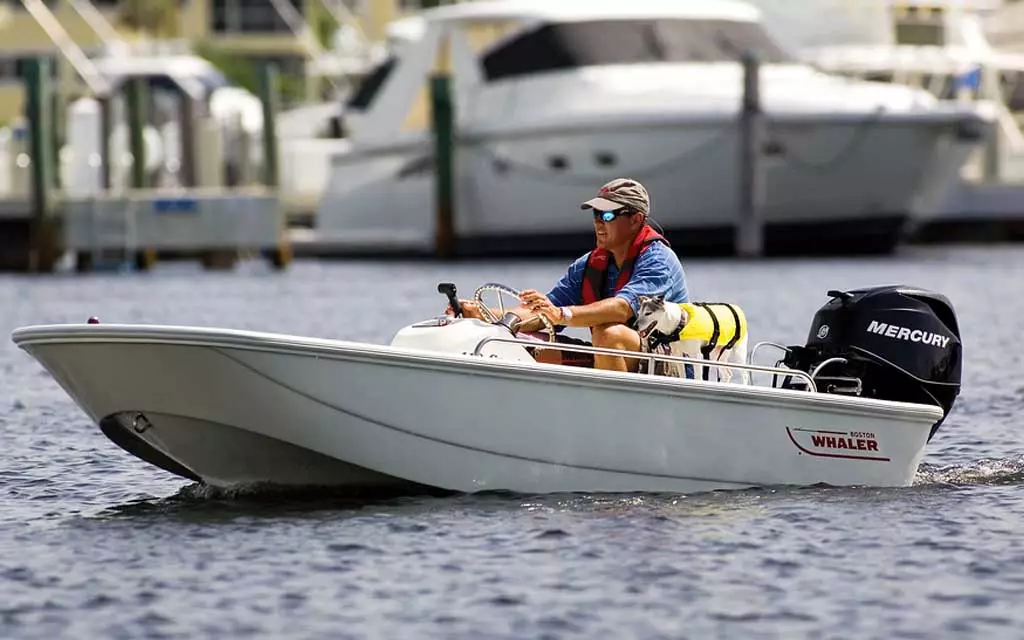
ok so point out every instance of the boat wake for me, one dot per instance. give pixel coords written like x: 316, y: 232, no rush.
x: 198, y: 500
x: 987, y: 471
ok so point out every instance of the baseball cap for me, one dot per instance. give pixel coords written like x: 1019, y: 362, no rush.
x: 619, y: 193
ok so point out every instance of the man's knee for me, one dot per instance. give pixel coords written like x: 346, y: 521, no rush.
x: 616, y: 336
x: 548, y: 356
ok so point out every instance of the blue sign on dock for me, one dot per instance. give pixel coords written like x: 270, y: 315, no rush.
x: 175, y: 205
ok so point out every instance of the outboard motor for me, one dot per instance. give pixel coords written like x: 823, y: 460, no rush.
x: 896, y: 343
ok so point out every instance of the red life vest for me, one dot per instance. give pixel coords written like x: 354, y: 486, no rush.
x: 596, y: 274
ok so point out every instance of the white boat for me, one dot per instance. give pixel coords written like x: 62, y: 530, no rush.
x: 954, y: 50
x: 460, y: 405
x: 554, y: 98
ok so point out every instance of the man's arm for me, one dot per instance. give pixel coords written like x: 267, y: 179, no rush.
x: 567, y: 291
x: 654, y: 273
x: 608, y: 311
x: 568, y: 294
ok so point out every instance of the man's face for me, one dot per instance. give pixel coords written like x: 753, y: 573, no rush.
x: 617, y: 232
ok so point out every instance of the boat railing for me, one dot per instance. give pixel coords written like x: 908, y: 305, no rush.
x: 651, y: 358
x: 765, y: 343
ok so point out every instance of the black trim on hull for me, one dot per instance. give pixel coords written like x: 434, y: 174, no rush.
x: 875, y: 236
x: 970, y: 230
x: 849, y: 237
x: 121, y: 435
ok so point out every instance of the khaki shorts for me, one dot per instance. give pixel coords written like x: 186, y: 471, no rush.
x: 571, y: 358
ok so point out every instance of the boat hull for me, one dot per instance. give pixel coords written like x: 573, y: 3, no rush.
x: 832, y: 185
x: 231, y: 408
x: 223, y: 455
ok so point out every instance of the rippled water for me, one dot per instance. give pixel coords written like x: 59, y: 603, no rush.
x: 96, y: 544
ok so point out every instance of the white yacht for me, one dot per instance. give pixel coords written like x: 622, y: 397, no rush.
x: 554, y: 98
x: 959, y: 51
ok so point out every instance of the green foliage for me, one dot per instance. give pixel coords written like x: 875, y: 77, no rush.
x: 324, y: 29
x: 244, y: 71
x: 238, y: 69
x: 158, y: 18
x: 293, y: 90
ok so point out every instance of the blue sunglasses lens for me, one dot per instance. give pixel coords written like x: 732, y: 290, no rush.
x: 607, y: 216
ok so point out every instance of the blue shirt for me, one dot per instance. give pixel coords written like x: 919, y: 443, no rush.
x: 657, y: 270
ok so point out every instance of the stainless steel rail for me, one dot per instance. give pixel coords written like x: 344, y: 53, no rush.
x: 650, y: 357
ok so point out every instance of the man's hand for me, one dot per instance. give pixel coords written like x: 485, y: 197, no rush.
x: 470, y: 309
x: 538, y: 303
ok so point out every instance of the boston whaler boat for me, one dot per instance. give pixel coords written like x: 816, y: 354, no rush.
x: 460, y: 404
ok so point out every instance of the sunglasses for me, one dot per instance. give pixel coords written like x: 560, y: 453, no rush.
x: 608, y: 216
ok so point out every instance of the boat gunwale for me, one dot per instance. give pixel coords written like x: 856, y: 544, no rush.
x: 387, y: 355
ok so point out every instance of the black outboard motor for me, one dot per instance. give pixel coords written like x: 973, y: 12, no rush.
x: 902, y: 343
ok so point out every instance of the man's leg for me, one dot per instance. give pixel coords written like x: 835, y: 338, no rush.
x: 616, y: 336
x: 568, y: 358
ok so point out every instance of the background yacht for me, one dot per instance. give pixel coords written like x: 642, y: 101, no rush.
x: 553, y: 99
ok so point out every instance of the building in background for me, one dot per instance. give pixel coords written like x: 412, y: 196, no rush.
x: 299, y: 35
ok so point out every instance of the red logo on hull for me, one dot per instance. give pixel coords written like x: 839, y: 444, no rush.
x: 851, y: 445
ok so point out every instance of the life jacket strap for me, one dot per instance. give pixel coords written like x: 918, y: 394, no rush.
x: 737, y: 334
x: 705, y: 350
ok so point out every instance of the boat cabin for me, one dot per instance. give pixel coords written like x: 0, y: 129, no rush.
x: 498, y: 44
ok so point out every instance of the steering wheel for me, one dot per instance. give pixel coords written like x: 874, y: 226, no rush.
x: 478, y: 297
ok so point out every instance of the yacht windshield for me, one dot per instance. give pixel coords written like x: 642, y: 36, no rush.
x: 212, y: 79
x: 371, y: 84
x: 551, y: 47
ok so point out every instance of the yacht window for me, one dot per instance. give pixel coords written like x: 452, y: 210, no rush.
x: 1013, y: 89
x: 878, y: 76
x: 940, y: 85
x: 604, y: 158
x: 156, y: 82
x: 578, y: 44
x: 363, y: 96
x: 212, y: 79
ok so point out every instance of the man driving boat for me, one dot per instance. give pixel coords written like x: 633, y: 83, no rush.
x: 601, y: 289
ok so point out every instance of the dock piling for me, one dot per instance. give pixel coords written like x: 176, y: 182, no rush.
x: 443, y: 123
x: 39, y: 103
x: 106, y: 130
x: 269, y: 97
x: 749, y: 229
x: 187, y: 133
x: 135, y: 102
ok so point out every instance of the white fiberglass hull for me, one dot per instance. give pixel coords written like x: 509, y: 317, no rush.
x: 833, y: 184
x: 231, y: 407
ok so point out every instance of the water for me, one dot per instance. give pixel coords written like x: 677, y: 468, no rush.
x: 96, y: 544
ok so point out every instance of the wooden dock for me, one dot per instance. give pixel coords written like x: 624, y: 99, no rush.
x: 130, y: 220
x: 18, y: 252
x: 138, y: 228
x: 15, y: 231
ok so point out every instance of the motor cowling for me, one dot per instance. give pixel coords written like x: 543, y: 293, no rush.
x: 898, y: 343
